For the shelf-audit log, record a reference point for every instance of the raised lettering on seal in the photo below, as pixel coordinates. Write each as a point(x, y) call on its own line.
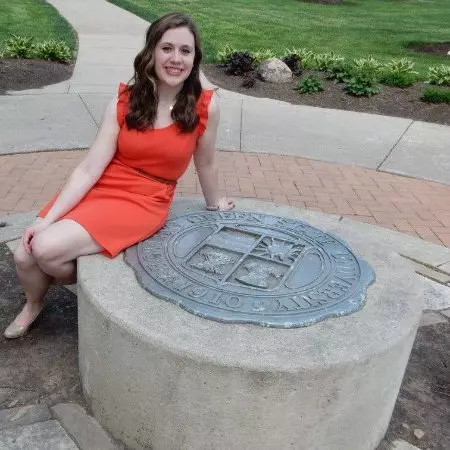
point(234, 302)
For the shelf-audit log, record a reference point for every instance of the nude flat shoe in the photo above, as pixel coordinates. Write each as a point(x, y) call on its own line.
point(15, 330)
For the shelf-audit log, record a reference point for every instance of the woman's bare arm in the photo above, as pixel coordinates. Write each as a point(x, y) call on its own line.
point(86, 174)
point(205, 160)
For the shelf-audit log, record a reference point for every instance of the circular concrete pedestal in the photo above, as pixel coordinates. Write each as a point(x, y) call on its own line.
point(159, 377)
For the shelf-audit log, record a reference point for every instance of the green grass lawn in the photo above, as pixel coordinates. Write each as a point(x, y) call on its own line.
point(34, 18)
point(381, 28)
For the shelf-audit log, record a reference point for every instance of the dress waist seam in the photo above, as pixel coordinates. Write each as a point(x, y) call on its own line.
point(154, 178)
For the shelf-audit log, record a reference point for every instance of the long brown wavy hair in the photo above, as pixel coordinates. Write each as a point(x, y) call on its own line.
point(143, 103)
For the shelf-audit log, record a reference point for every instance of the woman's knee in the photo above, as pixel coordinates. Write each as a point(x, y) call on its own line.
point(22, 259)
point(46, 251)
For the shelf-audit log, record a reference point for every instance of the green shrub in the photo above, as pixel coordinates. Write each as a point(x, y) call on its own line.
point(399, 73)
point(309, 85)
point(324, 61)
point(397, 66)
point(401, 80)
point(367, 65)
point(439, 75)
point(362, 83)
point(306, 56)
point(263, 55)
point(19, 46)
point(224, 54)
point(340, 72)
point(435, 95)
point(53, 51)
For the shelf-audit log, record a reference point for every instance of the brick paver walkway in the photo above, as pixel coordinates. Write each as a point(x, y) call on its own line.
point(416, 207)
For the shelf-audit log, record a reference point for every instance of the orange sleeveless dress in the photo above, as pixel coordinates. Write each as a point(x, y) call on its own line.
point(124, 206)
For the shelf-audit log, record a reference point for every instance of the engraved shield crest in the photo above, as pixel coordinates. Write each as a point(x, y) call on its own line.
point(251, 268)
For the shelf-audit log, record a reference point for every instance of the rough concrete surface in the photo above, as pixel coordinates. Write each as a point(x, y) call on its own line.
point(355, 138)
point(14, 225)
point(217, 373)
point(423, 386)
point(60, 121)
point(409, 157)
point(400, 444)
point(84, 429)
point(42, 435)
point(23, 415)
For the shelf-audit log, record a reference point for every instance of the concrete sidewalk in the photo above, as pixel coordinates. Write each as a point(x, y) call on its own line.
point(65, 426)
point(66, 115)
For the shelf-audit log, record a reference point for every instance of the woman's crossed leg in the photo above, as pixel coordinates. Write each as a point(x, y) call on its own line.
point(53, 258)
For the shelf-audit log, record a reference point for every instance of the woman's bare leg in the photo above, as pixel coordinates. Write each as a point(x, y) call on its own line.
point(54, 253)
point(34, 282)
point(56, 249)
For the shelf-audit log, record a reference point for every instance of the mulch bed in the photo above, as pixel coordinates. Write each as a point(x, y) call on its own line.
point(20, 74)
point(390, 101)
point(435, 48)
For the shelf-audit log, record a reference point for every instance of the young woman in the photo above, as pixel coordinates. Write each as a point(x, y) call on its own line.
point(121, 192)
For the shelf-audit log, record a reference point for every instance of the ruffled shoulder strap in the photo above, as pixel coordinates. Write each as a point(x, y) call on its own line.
point(202, 109)
point(123, 97)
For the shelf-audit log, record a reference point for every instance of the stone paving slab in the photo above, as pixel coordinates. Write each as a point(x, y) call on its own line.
point(57, 88)
point(23, 415)
point(100, 56)
point(14, 225)
point(229, 131)
point(431, 318)
point(400, 444)
point(437, 296)
point(83, 88)
point(237, 95)
point(84, 429)
point(96, 104)
point(102, 18)
point(431, 254)
point(423, 152)
point(445, 267)
point(108, 75)
point(432, 274)
point(324, 134)
point(131, 40)
point(38, 436)
point(58, 122)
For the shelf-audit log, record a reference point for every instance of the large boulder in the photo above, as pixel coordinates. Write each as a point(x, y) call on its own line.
point(275, 71)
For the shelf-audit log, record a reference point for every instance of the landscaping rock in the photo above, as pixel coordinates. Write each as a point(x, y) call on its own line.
point(275, 71)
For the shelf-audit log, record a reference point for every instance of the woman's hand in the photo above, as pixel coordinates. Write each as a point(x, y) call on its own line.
point(31, 231)
point(225, 204)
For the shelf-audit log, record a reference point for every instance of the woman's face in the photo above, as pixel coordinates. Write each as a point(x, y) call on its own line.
point(174, 56)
